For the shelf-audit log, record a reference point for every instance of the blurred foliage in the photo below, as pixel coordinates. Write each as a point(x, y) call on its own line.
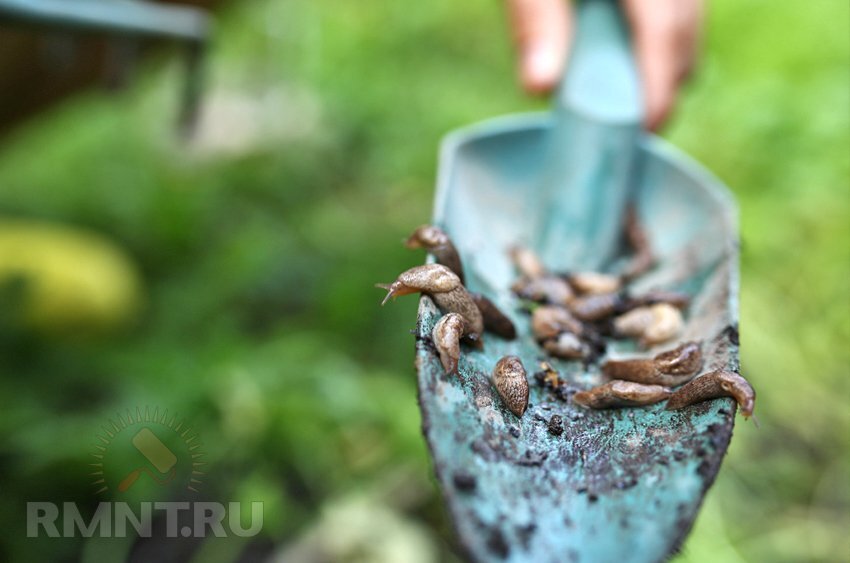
point(258, 244)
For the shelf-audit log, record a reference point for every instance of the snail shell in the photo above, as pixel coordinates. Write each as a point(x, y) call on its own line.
point(510, 380)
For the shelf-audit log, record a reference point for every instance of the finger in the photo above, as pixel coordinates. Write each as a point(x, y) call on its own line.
point(690, 36)
point(665, 36)
point(541, 29)
point(654, 29)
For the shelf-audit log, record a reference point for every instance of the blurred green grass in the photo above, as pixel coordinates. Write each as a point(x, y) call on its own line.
point(262, 326)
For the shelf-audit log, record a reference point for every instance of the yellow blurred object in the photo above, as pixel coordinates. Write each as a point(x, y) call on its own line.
point(73, 279)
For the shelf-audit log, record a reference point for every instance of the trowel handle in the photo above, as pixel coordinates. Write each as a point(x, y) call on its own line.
point(601, 80)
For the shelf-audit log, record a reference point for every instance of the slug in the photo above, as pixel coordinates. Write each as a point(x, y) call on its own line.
point(444, 287)
point(619, 393)
point(651, 325)
point(527, 262)
point(713, 385)
point(675, 298)
point(437, 242)
point(548, 321)
point(495, 321)
point(544, 289)
point(510, 381)
point(446, 335)
point(643, 258)
point(593, 283)
point(568, 346)
point(671, 368)
point(596, 307)
point(685, 359)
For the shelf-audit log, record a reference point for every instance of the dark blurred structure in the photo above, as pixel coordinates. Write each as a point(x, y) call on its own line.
point(40, 65)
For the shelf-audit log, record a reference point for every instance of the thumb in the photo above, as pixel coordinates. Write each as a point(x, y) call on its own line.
point(541, 29)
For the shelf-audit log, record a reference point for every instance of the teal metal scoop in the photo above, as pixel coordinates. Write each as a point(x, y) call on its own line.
point(617, 485)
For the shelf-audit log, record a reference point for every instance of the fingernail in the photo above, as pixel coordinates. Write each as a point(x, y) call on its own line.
point(541, 68)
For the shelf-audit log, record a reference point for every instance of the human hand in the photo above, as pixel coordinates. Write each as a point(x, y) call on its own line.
point(665, 35)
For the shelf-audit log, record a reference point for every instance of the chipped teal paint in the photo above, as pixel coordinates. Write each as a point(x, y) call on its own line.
point(621, 485)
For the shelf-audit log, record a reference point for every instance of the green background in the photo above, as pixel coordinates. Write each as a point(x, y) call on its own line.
point(251, 254)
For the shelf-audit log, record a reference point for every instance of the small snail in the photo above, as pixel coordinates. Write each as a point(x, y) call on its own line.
point(446, 335)
point(437, 242)
point(444, 287)
point(672, 367)
point(548, 321)
point(713, 385)
point(527, 262)
point(593, 283)
point(652, 325)
point(510, 381)
point(620, 393)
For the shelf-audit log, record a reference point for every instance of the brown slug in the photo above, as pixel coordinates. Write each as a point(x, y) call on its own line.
point(548, 321)
point(437, 242)
point(596, 307)
point(444, 287)
point(544, 289)
point(510, 380)
point(446, 335)
point(619, 393)
point(652, 325)
point(643, 258)
point(684, 359)
point(593, 283)
point(568, 346)
point(527, 262)
point(495, 321)
point(713, 385)
point(653, 297)
point(672, 367)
